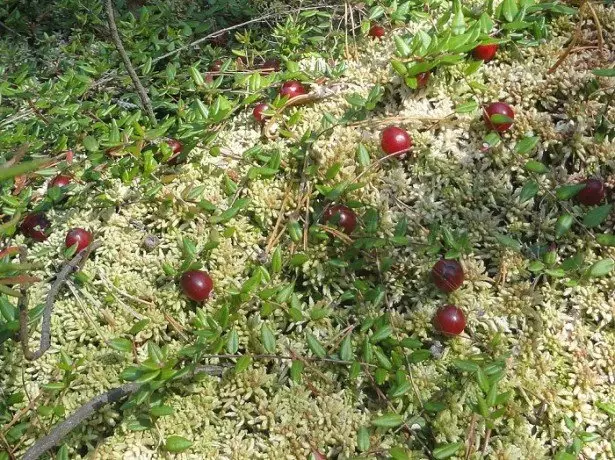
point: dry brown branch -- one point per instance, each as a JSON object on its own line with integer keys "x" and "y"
{"x": 147, "y": 104}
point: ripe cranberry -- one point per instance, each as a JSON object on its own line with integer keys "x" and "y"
{"x": 485, "y": 52}
{"x": 258, "y": 112}
{"x": 376, "y": 31}
{"x": 498, "y": 108}
{"x": 447, "y": 275}
{"x": 270, "y": 65}
{"x": 422, "y": 79}
{"x": 196, "y": 284}
{"x": 292, "y": 88}
{"x": 450, "y": 320}
{"x": 593, "y": 193}
{"x": 395, "y": 140}
{"x": 342, "y": 216}
{"x": 79, "y": 236}
{"x": 177, "y": 148}
{"x": 60, "y": 180}
{"x": 35, "y": 226}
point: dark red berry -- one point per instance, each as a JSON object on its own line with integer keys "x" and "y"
{"x": 341, "y": 216}
{"x": 450, "y": 320}
{"x": 177, "y": 148}
{"x": 60, "y": 180}
{"x": 593, "y": 193}
{"x": 376, "y": 31}
{"x": 498, "y": 108}
{"x": 485, "y": 52}
{"x": 258, "y": 112}
{"x": 395, "y": 140}
{"x": 35, "y": 226}
{"x": 447, "y": 275}
{"x": 292, "y": 88}
{"x": 196, "y": 284}
{"x": 422, "y": 79}
{"x": 79, "y": 236}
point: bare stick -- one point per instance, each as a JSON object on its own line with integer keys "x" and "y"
{"x": 147, "y": 104}
{"x": 61, "y": 278}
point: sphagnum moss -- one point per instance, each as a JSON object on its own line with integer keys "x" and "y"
{"x": 562, "y": 340}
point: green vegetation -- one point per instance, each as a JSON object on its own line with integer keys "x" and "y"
{"x": 247, "y": 229}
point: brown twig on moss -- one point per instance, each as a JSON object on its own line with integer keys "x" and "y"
{"x": 114, "y": 395}
{"x": 117, "y": 41}
{"x": 45, "y": 342}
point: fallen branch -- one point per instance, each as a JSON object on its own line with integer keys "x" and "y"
{"x": 72, "y": 266}
{"x": 147, "y": 104}
{"x": 59, "y": 432}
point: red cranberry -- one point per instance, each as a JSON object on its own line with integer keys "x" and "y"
{"x": 342, "y": 216}
{"x": 60, "y": 180}
{"x": 196, "y": 284}
{"x": 395, "y": 140}
{"x": 593, "y": 193}
{"x": 258, "y": 112}
{"x": 376, "y": 31}
{"x": 35, "y": 226}
{"x": 447, "y": 275}
{"x": 485, "y": 52}
{"x": 79, "y": 236}
{"x": 450, "y": 320}
{"x": 292, "y": 88}
{"x": 498, "y": 108}
{"x": 422, "y": 79}
{"x": 177, "y": 148}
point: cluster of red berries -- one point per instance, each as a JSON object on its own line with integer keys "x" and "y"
{"x": 448, "y": 276}
{"x": 290, "y": 89}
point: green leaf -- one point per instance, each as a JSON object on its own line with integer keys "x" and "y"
{"x": 363, "y": 156}
{"x": 596, "y": 216}
{"x": 232, "y": 345}
{"x": 177, "y": 444}
{"x": 498, "y": 118}
{"x": 604, "y": 72}
{"x": 467, "y": 107}
{"x": 333, "y": 171}
{"x": 563, "y": 224}
{"x": 22, "y": 168}
{"x": 527, "y": 144}
{"x": 529, "y": 191}
{"x": 601, "y": 268}
{"x": 565, "y": 192}
{"x": 446, "y": 450}
{"x": 315, "y": 345}
{"x": 606, "y": 239}
{"x": 465, "y": 365}
{"x": 458, "y": 26}
{"x": 296, "y": 369}
{"x": 242, "y": 363}
{"x": 419, "y": 356}
{"x": 509, "y": 10}
{"x": 606, "y": 407}
{"x": 389, "y": 420}
{"x": 120, "y": 344}
{"x": 62, "y": 453}
{"x": 346, "y": 352}
{"x": 508, "y": 242}
{"x": 536, "y": 166}
{"x": 402, "y": 46}
{"x": 138, "y": 326}
{"x": 401, "y": 390}
{"x": 161, "y": 411}
{"x": 267, "y": 339}
{"x": 363, "y": 441}
{"x": 90, "y": 143}
{"x": 381, "y": 334}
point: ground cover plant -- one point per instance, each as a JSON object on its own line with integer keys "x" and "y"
{"x": 377, "y": 229}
